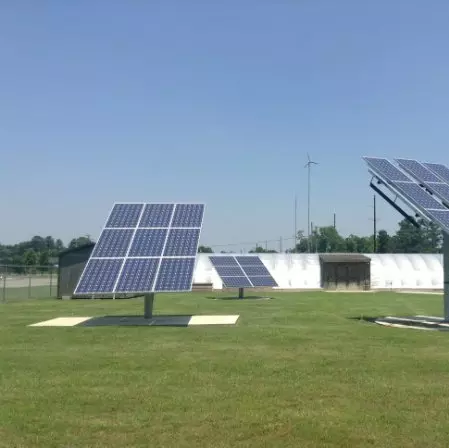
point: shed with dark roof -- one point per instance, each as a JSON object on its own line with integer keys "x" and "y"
{"x": 350, "y": 271}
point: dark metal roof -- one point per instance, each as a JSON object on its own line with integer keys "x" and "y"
{"x": 344, "y": 258}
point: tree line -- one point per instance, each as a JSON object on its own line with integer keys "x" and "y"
{"x": 428, "y": 238}
{"x": 38, "y": 251}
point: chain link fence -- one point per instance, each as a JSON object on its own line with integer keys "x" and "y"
{"x": 24, "y": 282}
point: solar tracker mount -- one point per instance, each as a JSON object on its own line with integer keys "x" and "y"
{"x": 424, "y": 188}
{"x": 144, "y": 248}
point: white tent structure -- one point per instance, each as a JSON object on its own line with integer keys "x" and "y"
{"x": 303, "y": 271}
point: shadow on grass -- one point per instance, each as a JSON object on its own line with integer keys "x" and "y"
{"x": 179, "y": 320}
{"x": 238, "y": 298}
{"x": 370, "y": 319}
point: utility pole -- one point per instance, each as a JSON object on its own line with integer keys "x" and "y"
{"x": 335, "y": 220}
{"x": 308, "y": 165}
{"x": 296, "y": 220}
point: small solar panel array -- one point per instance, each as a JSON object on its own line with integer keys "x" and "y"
{"x": 242, "y": 271}
{"x": 424, "y": 185}
{"x": 144, "y": 247}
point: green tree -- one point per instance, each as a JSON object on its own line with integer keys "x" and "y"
{"x": 79, "y": 242}
{"x": 44, "y": 258}
{"x": 205, "y": 250}
{"x": 425, "y": 239}
{"x": 384, "y": 242}
{"x": 261, "y": 250}
{"x": 30, "y": 257}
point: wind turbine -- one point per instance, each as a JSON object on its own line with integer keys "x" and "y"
{"x": 308, "y": 165}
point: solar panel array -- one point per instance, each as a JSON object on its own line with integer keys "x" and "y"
{"x": 424, "y": 185}
{"x": 144, "y": 248}
{"x": 246, "y": 271}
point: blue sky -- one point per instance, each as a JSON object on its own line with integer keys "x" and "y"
{"x": 216, "y": 102}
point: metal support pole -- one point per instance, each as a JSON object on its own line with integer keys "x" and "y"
{"x": 241, "y": 291}
{"x": 446, "y": 274}
{"x": 148, "y": 305}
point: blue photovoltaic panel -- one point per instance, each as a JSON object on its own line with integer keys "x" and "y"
{"x": 441, "y": 217}
{"x": 182, "y": 242}
{"x": 188, "y": 215}
{"x": 175, "y": 274}
{"x": 386, "y": 169}
{"x": 124, "y": 215}
{"x": 256, "y": 270}
{"x": 440, "y": 189}
{"x": 418, "y": 171}
{"x": 113, "y": 243}
{"x": 266, "y": 280}
{"x": 157, "y": 215}
{"x": 223, "y": 261}
{"x": 249, "y": 261}
{"x": 441, "y": 170}
{"x": 236, "y": 282}
{"x": 229, "y": 271}
{"x": 99, "y": 276}
{"x": 133, "y": 248}
{"x": 240, "y": 275}
{"x": 138, "y": 275}
{"x": 417, "y": 195}
{"x": 148, "y": 243}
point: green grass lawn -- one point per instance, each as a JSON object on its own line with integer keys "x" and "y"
{"x": 295, "y": 371}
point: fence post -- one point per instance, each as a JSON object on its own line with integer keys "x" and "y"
{"x": 4, "y": 285}
{"x": 29, "y": 284}
{"x": 51, "y": 281}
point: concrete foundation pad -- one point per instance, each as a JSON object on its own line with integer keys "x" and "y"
{"x": 414, "y": 322}
{"x": 61, "y": 322}
{"x": 170, "y": 321}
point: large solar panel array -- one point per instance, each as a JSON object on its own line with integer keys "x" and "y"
{"x": 245, "y": 271}
{"x": 144, "y": 248}
{"x": 427, "y": 188}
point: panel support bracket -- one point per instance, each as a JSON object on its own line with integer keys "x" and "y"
{"x": 148, "y": 305}
{"x": 241, "y": 293}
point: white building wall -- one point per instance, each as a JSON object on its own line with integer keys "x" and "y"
{"x": 302, "y": 271}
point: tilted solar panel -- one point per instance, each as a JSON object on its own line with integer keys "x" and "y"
{"x": 144, "y": 248}
{"x": 242, "y": 271}
{"x": 422, "y": 199}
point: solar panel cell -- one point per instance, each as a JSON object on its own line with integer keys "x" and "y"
{"x": 138, "y": 275}
{"x": 148, "y": 243}
{"x": 442, "y": 171}
{"x": 441, "y": 217}
{"x": 223, "y": 261}
{"x": 229, "y": 271}
{"x": 113, "y": 243}
{"x": 99, "y": 276}
{"x": 386, "y": 169}
{"x": 256, "y": 270}
{"x": 263, "y": 281}
{"x": 236, "y": 282}
{"x": 249, "y": 261}
{"x": 175, "y": 274}
{"x": 182, "y": 242}
{"x": 418, "y": 171}
{"x": 440, "y": 189}
{"x": 188, "y": 215}
{"x": 157, "y": 215}
{"x": 417, "y": 195}
{"x": 124, "y": 215}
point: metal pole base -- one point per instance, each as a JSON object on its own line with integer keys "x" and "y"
{"x": 446, "y": 274}
{"x": 241, "y": 291}
{"x": 148, "y": 306}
